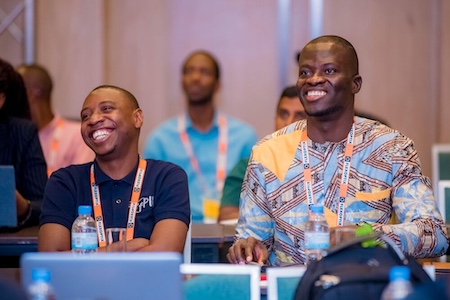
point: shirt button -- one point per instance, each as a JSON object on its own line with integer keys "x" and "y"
{"x": 118, "y": 201}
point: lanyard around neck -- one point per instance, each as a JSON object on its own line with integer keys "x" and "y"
{"x": 221, "y": 153}
{"x": 345, "y": 173}
{"x": 54, "y": 147}
{"x": 135, "y": 194}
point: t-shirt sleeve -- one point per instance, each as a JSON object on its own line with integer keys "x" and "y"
{"x": 59, "y": 203}
{"x": 172, "y": 195}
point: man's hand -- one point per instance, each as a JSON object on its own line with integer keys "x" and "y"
{"x": 342, "y": 234}
{"x": 22, "y": 205}
{"x": 248, "y": 250}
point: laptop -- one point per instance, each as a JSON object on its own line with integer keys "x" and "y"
{"x": 8, "y": 211}
{"x": 112, "y": 276}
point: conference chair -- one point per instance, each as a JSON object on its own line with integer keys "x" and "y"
{"x": 221, "y": 281}
{"x": 282, "y": 282}
{"x": 187, "y": 253}
{"x": 440, "y": 155}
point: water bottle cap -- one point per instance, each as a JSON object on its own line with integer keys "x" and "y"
{"x": 399, "y": 272}
{"x": 40, "y": 275}
{"x": 84, "y": 210}
{"x": 317, "y": 208}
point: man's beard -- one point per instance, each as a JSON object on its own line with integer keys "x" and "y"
{"x": 201, "y": 101}
{"x": 323, "y": 113}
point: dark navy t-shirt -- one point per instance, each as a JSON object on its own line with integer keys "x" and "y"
{"x": 164, "y": 195}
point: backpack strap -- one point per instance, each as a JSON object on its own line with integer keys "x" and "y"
{"x": 394, "y": 247}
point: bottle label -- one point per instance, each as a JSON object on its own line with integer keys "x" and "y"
{"x": 317, "y": 240}
{"x": 84, "y": 241}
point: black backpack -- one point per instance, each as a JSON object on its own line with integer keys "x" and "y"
{"x": 354, "y": 271}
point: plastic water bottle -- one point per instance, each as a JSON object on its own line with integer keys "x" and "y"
{"x": 84, "y": 231}
{"x": 399, "y": 286}
{"x": 40, "y": 287}
{"x": 317, "y": 235}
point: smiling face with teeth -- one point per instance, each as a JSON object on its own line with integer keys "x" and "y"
{"x": 328, "y": 79}
{"x": 111, "y": 122}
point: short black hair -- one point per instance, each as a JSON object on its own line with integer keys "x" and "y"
{"x": 129, "y": 95}
{"x": 13, "y": 87}
{"x": 340, "y": 41}
{"x": 45, "y": 82}
{"x": 207, "y": 54}
{"x": 290, "y": 92}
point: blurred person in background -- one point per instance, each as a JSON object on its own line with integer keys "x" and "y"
{"x": 60, "y": 138}
{"x": 206, "y": 143}
{"x": 20, "y": 147}
{"x": 289, "y": 110}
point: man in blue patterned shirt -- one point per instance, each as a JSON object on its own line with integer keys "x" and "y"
{"x": 359, "y": 169}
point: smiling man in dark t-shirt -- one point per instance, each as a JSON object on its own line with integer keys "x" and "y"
{"x": 117, "y": 180}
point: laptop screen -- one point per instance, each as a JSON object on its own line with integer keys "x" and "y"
{"x": 8, "y": 212}
{"x": 108, "y": 275}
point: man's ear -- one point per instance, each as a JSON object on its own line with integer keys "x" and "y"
{"x": 217, "y": 86}
{"x": 2, "y": 99}
{"x": 138, "y": 116}
{"x": 357, "y": 83}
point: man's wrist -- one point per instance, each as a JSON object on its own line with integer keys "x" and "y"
{"x": 25, "y": 217}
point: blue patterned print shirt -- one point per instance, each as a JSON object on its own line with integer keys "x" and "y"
{"x": 385, "y": 180}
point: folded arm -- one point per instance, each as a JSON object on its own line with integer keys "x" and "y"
{"x": 421, "y": 232}
{"x": 53, "y": 237}
{"x": 168, "y": 235}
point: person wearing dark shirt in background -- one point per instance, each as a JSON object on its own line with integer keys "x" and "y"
{"x": 60, "y": 137}
{"x": 20, "y": 147}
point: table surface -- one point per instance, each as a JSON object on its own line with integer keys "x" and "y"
{"x": 27, "y": 235}
{"x": 212, "y": 233}
{"x": 201, "y": 233}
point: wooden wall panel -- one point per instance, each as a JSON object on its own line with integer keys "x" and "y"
{"x": 137, "y": 55}
{"x": 140, "y": 45}
{"x": 147, "y": 42}
{"x": 443, "y": 114}
{"x": 299, "y": 34}
{"x": 395, "y": 47}
{"x": 243, "y": 37}
{"x": 70, "y": 43}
